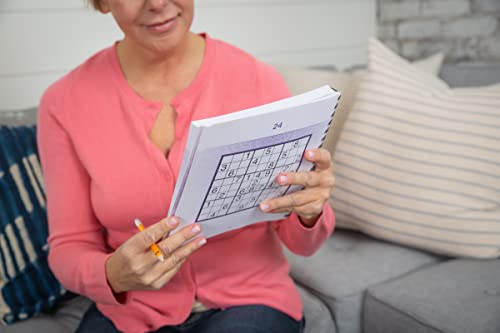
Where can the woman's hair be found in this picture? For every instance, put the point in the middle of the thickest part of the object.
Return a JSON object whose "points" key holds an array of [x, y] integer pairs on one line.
{"points": [[96, 4]]}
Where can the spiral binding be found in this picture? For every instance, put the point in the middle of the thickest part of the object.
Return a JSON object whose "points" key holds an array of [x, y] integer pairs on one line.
{"points": [[329, 123], [331, 118]]}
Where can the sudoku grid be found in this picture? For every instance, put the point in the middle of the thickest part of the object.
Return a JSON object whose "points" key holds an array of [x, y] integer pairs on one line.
{"points": [[244, 179]]}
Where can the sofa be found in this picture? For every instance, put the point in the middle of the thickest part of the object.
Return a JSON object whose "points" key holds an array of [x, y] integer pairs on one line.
{"points": [[360, 283], [355, 282]]}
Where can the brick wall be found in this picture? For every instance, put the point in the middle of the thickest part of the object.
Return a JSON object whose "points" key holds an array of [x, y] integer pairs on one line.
{"points": [[466, 30]]}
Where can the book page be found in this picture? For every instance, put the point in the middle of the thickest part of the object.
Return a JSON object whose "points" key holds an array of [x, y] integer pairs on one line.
{"points": [[235, 164]]}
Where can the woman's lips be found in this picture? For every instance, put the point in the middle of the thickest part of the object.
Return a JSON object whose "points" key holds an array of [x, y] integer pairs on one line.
{"points": [[162, 26]]}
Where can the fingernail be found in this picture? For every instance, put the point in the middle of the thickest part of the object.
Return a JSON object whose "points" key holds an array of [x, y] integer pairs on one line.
{"points": [[283, 179], [196, 229], [310, 154], [172, 221], [202, 242], [264, 206]]}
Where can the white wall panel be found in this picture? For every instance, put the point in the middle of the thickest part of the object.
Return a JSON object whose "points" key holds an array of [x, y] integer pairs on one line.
{"points": [[272, 30], [42, 40], [54, 40], [23, 91]]}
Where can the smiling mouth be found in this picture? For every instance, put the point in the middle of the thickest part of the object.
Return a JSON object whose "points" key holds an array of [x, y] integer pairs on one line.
{"points": [[162, 23]]}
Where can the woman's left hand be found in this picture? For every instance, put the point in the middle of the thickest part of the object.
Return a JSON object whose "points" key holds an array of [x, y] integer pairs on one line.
{"points": [[318, 185]]}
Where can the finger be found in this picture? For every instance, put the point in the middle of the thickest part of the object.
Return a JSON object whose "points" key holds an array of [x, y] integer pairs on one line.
{"points": [[320, 157], [289, 201], [170, 244], [166, 270], [307, 211], [152, 234], [183, 252], [304, 178]]}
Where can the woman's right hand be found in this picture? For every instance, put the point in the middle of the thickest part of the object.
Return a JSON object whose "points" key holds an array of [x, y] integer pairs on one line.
{"points": [[133, 266]]}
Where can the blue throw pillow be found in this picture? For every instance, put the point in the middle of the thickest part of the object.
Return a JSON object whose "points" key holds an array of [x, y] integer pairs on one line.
{"points": [[27, 285]]}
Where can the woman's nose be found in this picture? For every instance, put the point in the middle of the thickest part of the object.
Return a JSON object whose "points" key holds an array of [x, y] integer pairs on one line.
{"points": [[155, 5]]}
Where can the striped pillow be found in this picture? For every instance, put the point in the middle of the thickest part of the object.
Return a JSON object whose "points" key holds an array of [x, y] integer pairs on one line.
{"points": [[27, 285], [418, 163]]}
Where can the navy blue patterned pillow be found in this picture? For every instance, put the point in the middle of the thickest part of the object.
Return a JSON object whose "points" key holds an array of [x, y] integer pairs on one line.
{"points": [[27, 285]]}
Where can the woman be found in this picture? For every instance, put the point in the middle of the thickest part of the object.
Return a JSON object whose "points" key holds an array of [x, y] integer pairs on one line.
{"points": [[111, 138]]}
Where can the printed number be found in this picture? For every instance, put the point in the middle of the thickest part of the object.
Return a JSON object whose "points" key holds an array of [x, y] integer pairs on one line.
{"points": [[277, 125]]}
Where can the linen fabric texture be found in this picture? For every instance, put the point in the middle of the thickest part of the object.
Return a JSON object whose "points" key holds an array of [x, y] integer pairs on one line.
{"points": [[418, 163]]}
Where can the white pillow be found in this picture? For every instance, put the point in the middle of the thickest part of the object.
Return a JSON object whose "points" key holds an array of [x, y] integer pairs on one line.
{"points": [[431, 64], [418, 163], [300, 80]]}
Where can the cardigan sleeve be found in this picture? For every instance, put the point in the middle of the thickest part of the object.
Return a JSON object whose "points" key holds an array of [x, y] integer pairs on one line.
{"points": [[302, 240], [77, 249]]}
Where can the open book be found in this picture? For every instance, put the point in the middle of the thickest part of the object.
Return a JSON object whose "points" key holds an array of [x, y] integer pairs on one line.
{"points": [[231, 162]]}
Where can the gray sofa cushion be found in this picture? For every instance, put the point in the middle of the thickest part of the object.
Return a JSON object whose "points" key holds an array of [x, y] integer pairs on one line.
{"points": [[64, 319], [349, 263], [318, 316], [18, 117], [456, 296], [471, 74]]}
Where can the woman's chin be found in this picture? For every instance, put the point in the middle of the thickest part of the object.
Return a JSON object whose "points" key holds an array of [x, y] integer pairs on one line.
{"points": [[161, 44]]}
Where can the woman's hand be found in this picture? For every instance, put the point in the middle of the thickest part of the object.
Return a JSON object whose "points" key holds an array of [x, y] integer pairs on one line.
{"points": [[318, 185], [133, 266]]}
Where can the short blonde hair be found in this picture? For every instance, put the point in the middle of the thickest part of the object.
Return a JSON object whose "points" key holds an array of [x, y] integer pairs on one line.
{"points": [[96, 4]]}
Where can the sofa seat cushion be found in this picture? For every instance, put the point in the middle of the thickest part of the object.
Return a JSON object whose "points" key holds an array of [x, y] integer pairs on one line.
{"points": [[456, 296], [64, 319], [318, 316], [348, 264]]}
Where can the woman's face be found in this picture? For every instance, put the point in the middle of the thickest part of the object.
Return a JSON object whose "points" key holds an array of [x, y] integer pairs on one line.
{"points": [[155, 25]]}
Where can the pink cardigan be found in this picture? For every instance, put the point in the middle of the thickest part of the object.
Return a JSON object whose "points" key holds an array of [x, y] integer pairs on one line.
{"points": [[101, 171]]}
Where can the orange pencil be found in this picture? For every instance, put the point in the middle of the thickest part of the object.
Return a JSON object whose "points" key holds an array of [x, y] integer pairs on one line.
{"points": [[156, 250]]}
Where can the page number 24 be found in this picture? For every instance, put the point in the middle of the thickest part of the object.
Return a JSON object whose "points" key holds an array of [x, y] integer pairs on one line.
{"points": [[277, 125]]}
